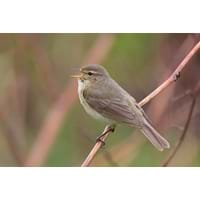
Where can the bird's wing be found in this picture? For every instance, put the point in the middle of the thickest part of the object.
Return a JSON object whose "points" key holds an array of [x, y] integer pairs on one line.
{"points": [[117, 109]]}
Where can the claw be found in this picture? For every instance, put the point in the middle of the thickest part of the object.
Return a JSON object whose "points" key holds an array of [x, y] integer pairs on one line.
{"points": [[107, 129]]}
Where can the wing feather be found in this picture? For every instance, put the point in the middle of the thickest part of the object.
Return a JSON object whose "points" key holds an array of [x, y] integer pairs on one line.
{"points": [[113, 108]]}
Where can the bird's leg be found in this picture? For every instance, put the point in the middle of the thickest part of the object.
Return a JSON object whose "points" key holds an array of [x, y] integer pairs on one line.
{"points": [[109, 128]]}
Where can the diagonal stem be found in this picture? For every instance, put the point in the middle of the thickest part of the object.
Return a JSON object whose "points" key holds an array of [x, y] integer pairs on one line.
{"points": [[194, 95], [97, 146], [173, 78], [181, 139]]}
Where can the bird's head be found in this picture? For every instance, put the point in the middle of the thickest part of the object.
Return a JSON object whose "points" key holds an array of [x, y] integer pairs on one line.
{"points": [[92, 73]]}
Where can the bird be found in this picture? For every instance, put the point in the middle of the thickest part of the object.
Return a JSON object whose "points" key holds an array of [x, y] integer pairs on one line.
{"points": [[104, 99]]}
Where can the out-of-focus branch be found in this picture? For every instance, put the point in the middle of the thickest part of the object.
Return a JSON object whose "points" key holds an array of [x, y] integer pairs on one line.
{"points": [[9, 133], [181, 139], [45, 66], [173, 78], [109, 159], [14, 149], [55, 117], [194, 95]]}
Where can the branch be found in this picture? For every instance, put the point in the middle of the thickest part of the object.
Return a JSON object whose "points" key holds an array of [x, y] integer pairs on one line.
{"points": [[10, 133], [194, 94], [97, 146], [173, 78], [107, 155], [13, 146]]}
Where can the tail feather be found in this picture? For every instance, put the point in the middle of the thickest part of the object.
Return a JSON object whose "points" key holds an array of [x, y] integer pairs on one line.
{"points": [[154, 137]]}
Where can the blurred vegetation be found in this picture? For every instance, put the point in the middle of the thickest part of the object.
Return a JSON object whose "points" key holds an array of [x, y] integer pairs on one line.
{"points": [[35, 70]]}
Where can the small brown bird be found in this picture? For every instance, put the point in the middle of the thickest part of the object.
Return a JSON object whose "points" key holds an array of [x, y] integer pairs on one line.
{"points": [[105, 99]]}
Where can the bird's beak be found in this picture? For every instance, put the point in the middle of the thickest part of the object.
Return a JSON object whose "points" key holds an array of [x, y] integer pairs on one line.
{"points": [[76, 76]]}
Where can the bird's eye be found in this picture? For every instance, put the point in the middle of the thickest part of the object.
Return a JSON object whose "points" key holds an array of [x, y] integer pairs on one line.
{"points": [[90, 73]]}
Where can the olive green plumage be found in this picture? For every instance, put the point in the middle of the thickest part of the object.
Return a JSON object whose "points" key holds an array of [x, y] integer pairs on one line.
{"points": [[103, 98]]}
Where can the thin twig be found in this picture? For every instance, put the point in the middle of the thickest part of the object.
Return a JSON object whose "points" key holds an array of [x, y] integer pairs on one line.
{"points": [[173, 78], [13, 146], [45, 66], [181, 139], [9, 133], [55, 117], [194, 94]]}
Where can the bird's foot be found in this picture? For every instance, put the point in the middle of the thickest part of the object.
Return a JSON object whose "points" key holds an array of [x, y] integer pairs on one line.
{"points": [[108, 129]]}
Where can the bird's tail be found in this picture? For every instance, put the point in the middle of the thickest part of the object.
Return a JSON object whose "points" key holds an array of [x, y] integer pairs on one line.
{"points": [[154, 137]]}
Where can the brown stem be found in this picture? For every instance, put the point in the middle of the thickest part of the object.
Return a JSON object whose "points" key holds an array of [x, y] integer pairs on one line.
{"points": [[10, 133], [13, 146], [194, 94], [181, 139], [44, 66], [173, 78]]}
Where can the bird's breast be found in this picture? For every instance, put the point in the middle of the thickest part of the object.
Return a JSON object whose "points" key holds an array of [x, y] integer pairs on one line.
{"points": [[87, 107]]}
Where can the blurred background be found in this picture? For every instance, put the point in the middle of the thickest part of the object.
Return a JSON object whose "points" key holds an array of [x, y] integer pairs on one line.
{"points": [[43, 124]]}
